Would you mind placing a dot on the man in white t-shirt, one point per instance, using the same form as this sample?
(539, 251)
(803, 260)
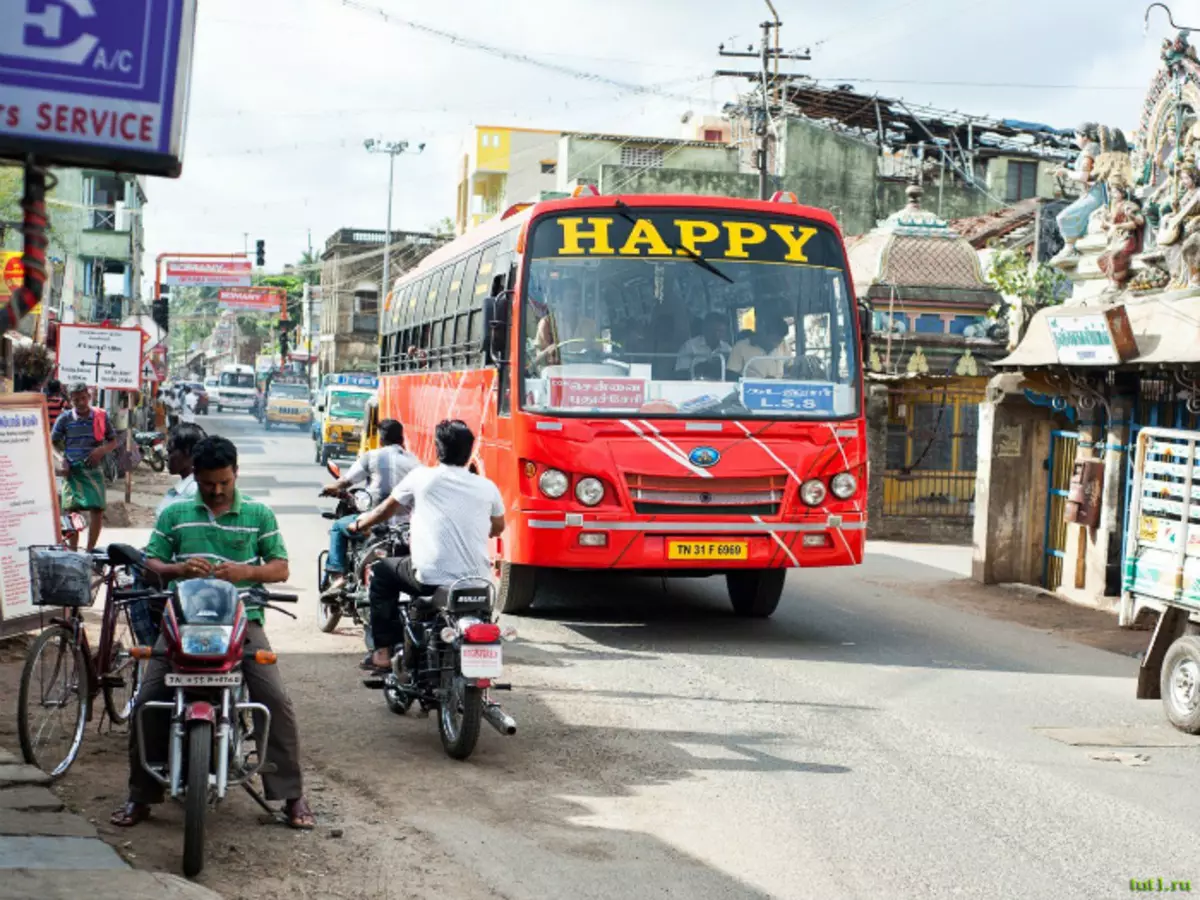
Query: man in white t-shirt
(187, 405)
(454, 514)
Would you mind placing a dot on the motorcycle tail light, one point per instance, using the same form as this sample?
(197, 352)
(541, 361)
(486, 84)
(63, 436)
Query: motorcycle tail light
(483, 633)
(508, 633)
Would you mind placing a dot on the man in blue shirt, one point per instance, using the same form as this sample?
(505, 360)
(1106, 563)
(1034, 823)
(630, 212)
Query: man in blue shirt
(85, 436)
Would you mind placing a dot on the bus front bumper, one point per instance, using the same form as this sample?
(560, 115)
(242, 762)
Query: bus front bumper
(579, 541)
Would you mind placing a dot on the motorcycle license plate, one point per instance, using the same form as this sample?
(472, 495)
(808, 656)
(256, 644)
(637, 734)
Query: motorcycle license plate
(481, 660)
(708, 550)
(229, 679)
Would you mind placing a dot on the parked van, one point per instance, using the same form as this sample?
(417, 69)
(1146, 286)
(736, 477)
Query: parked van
(235, 388)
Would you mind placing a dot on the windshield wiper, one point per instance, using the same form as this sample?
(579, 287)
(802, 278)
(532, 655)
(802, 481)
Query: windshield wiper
(695, 257)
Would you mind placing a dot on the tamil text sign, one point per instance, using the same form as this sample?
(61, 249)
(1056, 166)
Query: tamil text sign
(208, 273)
(254, 299)
(597, 393)
(109, 358)
(12, 272)
(1093, 339)
(96, 82)
(28, 510)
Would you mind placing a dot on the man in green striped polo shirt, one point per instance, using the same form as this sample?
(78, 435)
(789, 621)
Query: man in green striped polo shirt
(220, 534)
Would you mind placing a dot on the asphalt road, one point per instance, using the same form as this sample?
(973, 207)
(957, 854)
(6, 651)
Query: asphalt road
(865, 742)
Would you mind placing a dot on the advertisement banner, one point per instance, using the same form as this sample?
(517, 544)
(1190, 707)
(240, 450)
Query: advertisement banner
(96, 82)
(109, 358)
(208, 273)
(255, 299)
(12, 272)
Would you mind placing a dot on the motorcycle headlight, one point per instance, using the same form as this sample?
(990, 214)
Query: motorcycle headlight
(553, 483)
(205, 640)
(589, 491)
(812, 492)
(843, 485)
(362, 501)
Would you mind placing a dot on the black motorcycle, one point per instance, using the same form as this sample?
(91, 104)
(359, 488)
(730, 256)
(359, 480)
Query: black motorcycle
(364, 551)
(449, 661)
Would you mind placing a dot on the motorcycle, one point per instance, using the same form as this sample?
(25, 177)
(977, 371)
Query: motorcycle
(153, 447)
(384, 541)
(449, 661)
(212, 714)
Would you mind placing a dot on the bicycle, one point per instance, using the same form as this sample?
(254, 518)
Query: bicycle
(62, 678)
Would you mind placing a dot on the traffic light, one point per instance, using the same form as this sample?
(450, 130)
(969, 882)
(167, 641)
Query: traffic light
(260, 253)
(160, 312)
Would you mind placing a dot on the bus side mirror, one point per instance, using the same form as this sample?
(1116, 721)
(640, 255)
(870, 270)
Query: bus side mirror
(865, 315)
(498, 315)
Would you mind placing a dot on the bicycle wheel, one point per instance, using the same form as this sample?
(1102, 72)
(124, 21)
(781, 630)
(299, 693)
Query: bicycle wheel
(53, 701)
(120, 674)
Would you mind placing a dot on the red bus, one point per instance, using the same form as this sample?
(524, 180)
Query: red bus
(659, 384)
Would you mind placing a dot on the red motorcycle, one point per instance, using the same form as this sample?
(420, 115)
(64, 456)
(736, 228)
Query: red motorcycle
(213, 718)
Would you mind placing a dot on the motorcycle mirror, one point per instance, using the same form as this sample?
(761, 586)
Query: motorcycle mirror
(334, 470)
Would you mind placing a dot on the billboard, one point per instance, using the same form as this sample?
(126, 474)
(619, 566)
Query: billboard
(12, 272)
(96, 82)
(208, 273)
(255, 299)
(109, 358)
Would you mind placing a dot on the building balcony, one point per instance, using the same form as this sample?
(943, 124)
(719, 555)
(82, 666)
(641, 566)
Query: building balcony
(106, 244)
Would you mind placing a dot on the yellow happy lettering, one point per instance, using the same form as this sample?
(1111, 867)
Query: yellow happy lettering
(644, 232)
(742, 234)
(573, 234)
(795, 242)
(693, 232)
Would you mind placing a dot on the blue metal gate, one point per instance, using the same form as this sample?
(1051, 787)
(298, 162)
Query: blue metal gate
(1063, 445)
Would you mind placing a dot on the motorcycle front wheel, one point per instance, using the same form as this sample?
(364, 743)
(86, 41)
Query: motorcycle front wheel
(195, 803)
(155, 461)
(460, 712)
(329, 613)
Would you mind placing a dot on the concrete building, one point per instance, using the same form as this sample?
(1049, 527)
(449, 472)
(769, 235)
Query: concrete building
(502, 166)
(351, 270)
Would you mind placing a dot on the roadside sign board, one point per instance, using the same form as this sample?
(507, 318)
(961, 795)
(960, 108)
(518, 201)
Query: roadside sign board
(28, 504)
(208, 273)
(12, 272)
(1095, 339)
(96, 82)
(252, 299)
(108, 358)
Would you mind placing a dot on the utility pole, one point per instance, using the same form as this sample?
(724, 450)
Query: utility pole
(769, 85)
(307, 300)
(392, 149)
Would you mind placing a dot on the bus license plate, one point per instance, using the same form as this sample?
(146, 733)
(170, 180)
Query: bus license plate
(481, 660)
(708, 550)
(229, 679)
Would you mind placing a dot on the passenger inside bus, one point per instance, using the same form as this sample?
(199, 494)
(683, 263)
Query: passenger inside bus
(704, 355)
(761, 353)
(565, 328)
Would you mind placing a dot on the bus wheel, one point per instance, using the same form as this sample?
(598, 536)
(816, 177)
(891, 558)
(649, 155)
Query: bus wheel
(518, 584)
(1179, 681)
(755, 594)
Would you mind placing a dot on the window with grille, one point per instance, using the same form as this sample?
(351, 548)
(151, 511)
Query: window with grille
(932, 433)
(1022, 181)
(642, 157)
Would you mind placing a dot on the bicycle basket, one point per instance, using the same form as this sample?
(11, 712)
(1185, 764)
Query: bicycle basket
(60, 577)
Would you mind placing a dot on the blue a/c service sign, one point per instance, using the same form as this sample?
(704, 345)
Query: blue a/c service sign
(96, 82)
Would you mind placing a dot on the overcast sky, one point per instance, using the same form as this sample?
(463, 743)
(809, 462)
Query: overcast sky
(285, 91)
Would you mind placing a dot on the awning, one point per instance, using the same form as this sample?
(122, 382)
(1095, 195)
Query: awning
(1165, 326)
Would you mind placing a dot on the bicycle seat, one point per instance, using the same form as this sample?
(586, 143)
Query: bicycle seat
(125, 555)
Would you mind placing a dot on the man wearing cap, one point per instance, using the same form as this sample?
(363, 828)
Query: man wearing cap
(85, 437)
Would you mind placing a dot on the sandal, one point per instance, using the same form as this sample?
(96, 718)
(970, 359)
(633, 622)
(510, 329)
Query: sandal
(299, 815)
(130, 814)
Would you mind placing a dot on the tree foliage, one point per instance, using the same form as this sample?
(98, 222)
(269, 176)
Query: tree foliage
(1025, 287)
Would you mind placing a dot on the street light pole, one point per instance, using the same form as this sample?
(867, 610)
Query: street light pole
(392, 149)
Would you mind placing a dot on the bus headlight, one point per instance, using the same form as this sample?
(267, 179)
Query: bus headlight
(589, 491)
(843, 485)
(553, 483)
(812, 492)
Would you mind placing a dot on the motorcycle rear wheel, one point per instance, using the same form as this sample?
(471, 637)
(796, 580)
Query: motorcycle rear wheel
(329, 613)
(154, 461)
(460, 712)
(195, 804)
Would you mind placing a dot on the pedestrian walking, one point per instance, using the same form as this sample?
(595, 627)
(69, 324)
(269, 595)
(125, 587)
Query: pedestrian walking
(187, 405)
(85, 436)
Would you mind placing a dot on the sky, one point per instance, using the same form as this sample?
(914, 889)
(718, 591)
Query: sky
(284, 92)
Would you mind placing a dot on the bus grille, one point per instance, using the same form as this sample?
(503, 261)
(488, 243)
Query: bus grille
(659, 495)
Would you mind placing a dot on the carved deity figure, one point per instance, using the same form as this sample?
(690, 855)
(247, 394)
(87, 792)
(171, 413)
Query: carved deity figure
(1073, 221)
(1123, 223)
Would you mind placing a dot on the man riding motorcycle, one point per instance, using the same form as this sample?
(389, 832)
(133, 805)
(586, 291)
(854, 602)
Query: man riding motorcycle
(454, 514)
(220, 534)
(382, 469)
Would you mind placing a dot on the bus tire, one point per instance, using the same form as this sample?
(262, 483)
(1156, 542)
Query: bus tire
(1179, 682)
(518, 585)
(755, 594)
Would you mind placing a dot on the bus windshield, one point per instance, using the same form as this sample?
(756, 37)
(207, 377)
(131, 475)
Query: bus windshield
(237, 380)
(691, 313)
(348, 404)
